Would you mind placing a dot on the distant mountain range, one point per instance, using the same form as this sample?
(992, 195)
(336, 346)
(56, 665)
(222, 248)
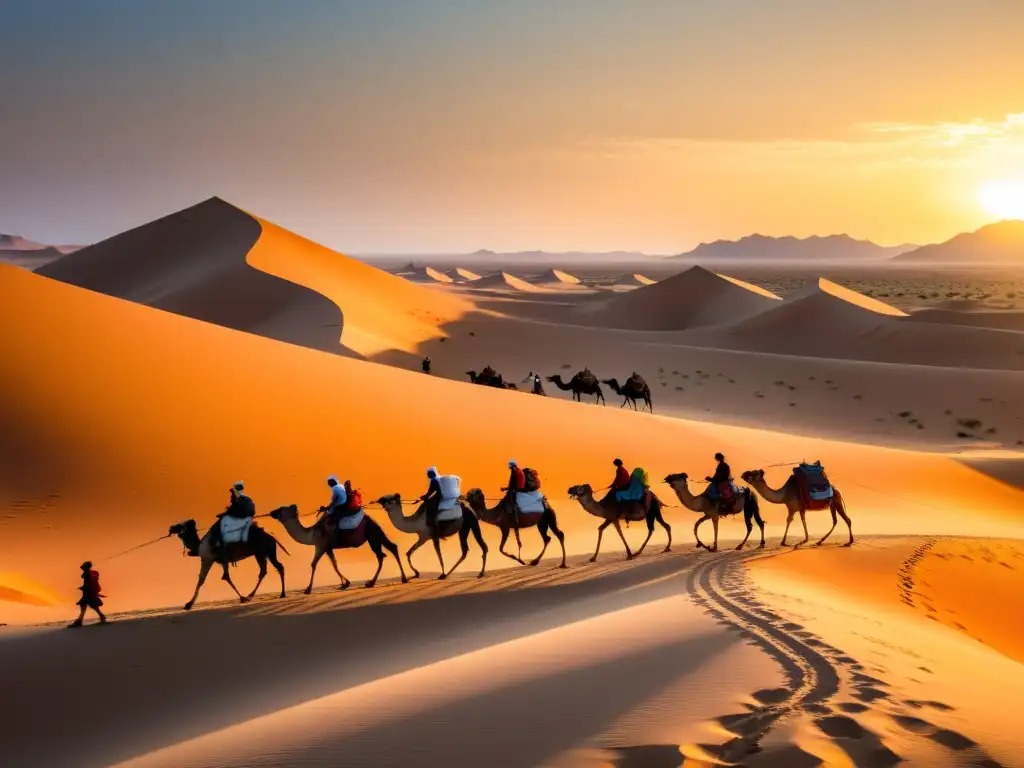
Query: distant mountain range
(765, 248)
(543, 256)
(27, 253)
(1000, 242)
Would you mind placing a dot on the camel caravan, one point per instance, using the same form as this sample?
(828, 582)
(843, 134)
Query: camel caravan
(633, 390)
(444, 511)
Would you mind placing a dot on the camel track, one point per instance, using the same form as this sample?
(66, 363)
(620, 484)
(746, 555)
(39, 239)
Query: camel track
(823, 684)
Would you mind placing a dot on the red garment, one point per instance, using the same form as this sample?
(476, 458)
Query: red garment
(621, 478)
(516, 479)
(355, 499)
(93, 580)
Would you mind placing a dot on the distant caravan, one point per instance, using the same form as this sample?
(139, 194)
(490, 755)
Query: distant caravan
(490, 378)
(634, 389)
(583, 383)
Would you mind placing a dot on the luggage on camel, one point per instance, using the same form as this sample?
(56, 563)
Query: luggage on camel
(451, 489)
(532, 480)
(815, 487)
(234, 530)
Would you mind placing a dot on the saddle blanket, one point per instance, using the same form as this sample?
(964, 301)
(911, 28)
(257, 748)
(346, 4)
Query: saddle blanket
(633, 492)
(351, 538)
(530, 501)
(234, 530)
(448, 510)
(821, 495)
(350, 522)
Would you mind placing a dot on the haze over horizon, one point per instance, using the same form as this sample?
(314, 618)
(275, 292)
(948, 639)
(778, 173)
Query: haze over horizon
(451, 126)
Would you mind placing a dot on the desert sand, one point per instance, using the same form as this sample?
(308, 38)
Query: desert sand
(805, 655)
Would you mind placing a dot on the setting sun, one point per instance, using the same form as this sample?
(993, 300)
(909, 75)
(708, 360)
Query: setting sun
(1003, 199)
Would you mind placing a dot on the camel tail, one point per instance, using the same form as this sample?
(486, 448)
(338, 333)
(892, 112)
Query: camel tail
(278, 542)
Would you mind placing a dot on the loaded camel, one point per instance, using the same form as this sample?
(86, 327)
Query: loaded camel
(583, 383)
(489, 378)
(634, 389)
(504, 517)
(259, 544)
(612, 511)
(789, 495)
(416, 524)
(316, 536)
(744, 501)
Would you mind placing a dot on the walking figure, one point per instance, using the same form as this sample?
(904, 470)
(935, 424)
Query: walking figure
(91, 595)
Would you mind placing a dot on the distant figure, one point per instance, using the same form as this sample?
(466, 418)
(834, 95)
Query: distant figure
(426, 365)
(538, 387)
(91, 595)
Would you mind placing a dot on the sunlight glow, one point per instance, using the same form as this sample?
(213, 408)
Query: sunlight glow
(1003, 199)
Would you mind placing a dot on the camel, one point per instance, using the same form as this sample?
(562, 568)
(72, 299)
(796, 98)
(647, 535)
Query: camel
(261, 545)
(583, 383)
(416, 524)
(634, 389)
(745, 502)
(611, 511)
(487, 377)
(789, 495)
(502, 516)
(316, 536)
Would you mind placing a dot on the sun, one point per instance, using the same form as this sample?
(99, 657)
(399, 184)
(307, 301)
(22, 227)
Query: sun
(1003, 199)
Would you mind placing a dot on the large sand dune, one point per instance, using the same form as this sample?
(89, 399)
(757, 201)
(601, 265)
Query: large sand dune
(428, 275)
(690, 299)
(466, 275)
(216, 263)
(829, 320)
(556, 278)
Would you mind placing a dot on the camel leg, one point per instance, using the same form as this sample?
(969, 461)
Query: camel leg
(501, 547)
(841, 509)
(542, 529)
(345, 583)
(803, 521)
(440, 558)
(317, 554)
(785, 533)
(204, 570)
(389, 545)
(272, 555)
(750, 527)
(714, 523)
(618, 529)
(408, 555)
(227, 577)
(262, 560)
(760, 524)
(668, 528)
(650, 532)
(696, 535)
(835, 519)
(600, 533)
(479, 536)
(375, 545)
(464, 544)
(553, 524)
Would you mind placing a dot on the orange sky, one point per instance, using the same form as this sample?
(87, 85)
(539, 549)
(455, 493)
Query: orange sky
(449, 125)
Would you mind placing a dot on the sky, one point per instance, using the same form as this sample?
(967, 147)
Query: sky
(445, 126)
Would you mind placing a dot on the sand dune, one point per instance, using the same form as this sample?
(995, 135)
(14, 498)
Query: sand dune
(690, 299)
(980, 318)
(558, 277)
(216, 263)
(634, 279)
(428, 274)
(831, 321)
(506, 281)
(466, 274)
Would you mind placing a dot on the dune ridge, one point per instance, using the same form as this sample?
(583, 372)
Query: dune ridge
(828, 320)
(558, 277)
(690, 299)
(428, 274)
(506, 281)
(634, 279)
(466, 274)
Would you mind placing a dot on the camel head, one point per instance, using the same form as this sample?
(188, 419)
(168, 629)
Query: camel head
(472, 375)
(390, 500)
(753, 476)
(680, 477)
(553, 379)
(475, 497)
(182, 528)
(579, 491)
(613, 383)
(289, 512)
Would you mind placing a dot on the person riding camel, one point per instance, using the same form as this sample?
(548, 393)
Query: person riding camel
(621, 481)
(240, 508)
(721, 483)
(432, 500)
(336, 506)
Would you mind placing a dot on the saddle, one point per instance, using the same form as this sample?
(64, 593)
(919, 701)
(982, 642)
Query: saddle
(816, 491)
